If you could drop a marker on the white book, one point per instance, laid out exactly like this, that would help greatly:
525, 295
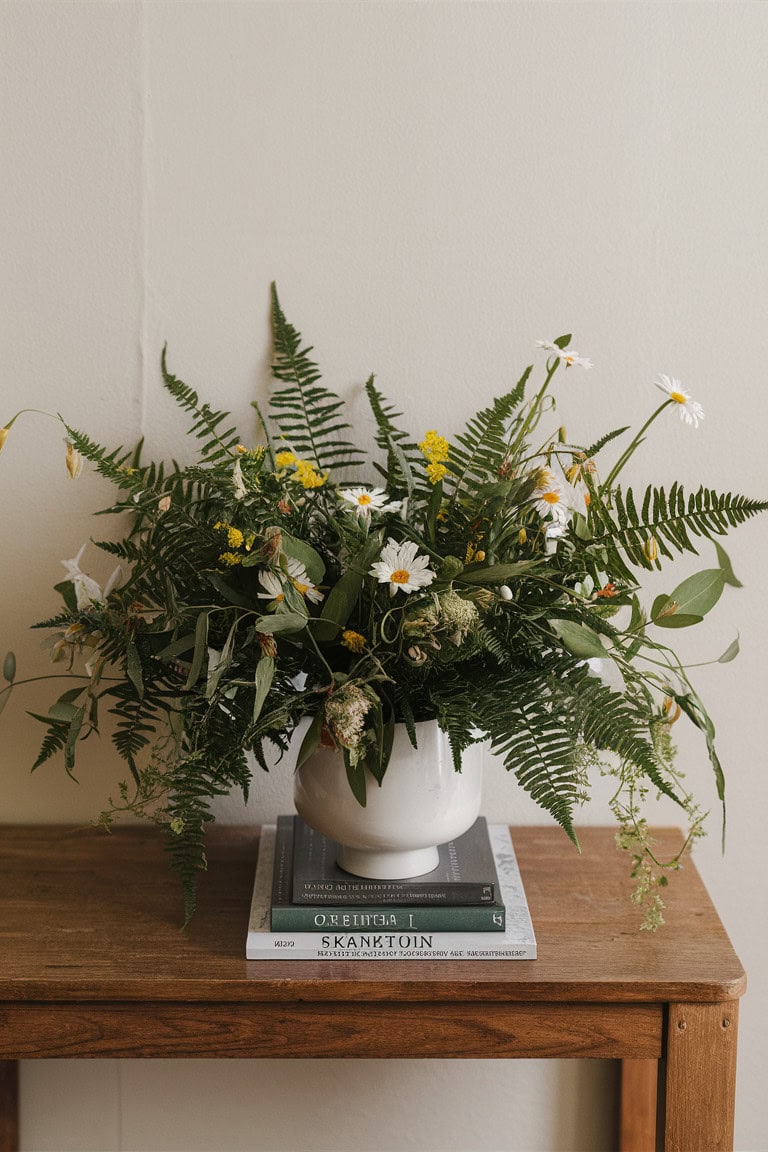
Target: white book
517, 942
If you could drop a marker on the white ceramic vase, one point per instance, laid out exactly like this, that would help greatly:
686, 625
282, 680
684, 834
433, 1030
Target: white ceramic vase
421, 803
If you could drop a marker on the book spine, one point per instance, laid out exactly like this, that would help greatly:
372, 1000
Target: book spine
461, 918
386, 892
384, 946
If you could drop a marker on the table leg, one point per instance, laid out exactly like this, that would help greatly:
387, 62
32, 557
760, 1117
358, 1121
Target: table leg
699, 1077
637, 1118
9, 1106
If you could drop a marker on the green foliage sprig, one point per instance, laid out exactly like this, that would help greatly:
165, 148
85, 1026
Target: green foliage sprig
490, 583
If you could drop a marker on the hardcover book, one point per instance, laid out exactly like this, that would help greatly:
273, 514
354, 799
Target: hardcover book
290, 917
516, 942
465, 874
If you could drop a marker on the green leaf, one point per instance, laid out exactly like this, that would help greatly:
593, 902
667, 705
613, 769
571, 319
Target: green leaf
75, 725
562, 341
133, 667
9, 667
265, 673
700, 592
356, 779
678, 620
578, 639
497, 573
281, 622
730, 653
311, 740
305, 554
227, 591
201, 649
726, 567
66, 589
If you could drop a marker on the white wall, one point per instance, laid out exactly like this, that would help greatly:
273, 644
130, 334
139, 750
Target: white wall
434, 185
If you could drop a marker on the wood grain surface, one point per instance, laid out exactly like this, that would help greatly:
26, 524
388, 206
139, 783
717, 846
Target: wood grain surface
90, 916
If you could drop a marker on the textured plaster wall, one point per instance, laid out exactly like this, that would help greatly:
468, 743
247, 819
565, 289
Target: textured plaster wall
434, 185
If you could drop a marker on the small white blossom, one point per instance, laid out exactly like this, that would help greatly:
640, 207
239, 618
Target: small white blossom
238, 482
87, 590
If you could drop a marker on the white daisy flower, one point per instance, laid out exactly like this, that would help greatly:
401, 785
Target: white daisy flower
569, 356
273, 587
301, 581
297, 574
690, 410
401, 567
367, 500
552, 501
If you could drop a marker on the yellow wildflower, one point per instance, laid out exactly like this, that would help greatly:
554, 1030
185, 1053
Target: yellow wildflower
434, 447
522, 536
479, 556
470, 552
230, 559
234, 537
242, 448
284, 459
4, 435
353, 640
435, 472
307, 476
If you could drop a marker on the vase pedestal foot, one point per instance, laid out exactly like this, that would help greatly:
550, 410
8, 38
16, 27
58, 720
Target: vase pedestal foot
387, 864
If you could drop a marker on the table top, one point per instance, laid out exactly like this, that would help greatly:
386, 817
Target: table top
86, 916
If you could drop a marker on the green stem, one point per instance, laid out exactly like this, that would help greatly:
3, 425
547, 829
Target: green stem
606, 485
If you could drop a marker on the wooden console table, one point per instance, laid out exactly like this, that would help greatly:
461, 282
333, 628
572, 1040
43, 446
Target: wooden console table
92, 964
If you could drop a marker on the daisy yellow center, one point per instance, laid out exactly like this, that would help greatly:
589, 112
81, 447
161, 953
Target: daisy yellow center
551, 498
279, 597
678, 397
302, 589
400, 576
568, 359
364, 499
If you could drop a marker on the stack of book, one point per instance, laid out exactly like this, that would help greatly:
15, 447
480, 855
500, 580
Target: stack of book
471, 907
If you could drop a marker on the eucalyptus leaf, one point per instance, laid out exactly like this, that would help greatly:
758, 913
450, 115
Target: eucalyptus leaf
281, 622
265, 674
356, 779
678, 620
305, 554
497, 573
201, 648
726, 567
9, 667
67, 591
578, 639
698, 593
730, 653
311, 740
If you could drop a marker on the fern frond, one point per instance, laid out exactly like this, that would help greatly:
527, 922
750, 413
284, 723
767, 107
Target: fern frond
307, 413
217, 445
672, 520
601, 443
403, 456
534, 742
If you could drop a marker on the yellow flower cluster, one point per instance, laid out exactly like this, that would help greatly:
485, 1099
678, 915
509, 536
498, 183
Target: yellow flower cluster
230, 559
435, 448
235, 537
306, 473
307, 476
353, 640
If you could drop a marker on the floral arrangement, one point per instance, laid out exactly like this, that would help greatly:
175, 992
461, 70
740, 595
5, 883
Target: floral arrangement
490, 582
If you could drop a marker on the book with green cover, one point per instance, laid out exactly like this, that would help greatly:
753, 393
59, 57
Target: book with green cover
289, 917
516, 942
465, 874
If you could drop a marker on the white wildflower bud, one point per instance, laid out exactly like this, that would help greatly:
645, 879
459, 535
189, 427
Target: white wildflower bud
505, 592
